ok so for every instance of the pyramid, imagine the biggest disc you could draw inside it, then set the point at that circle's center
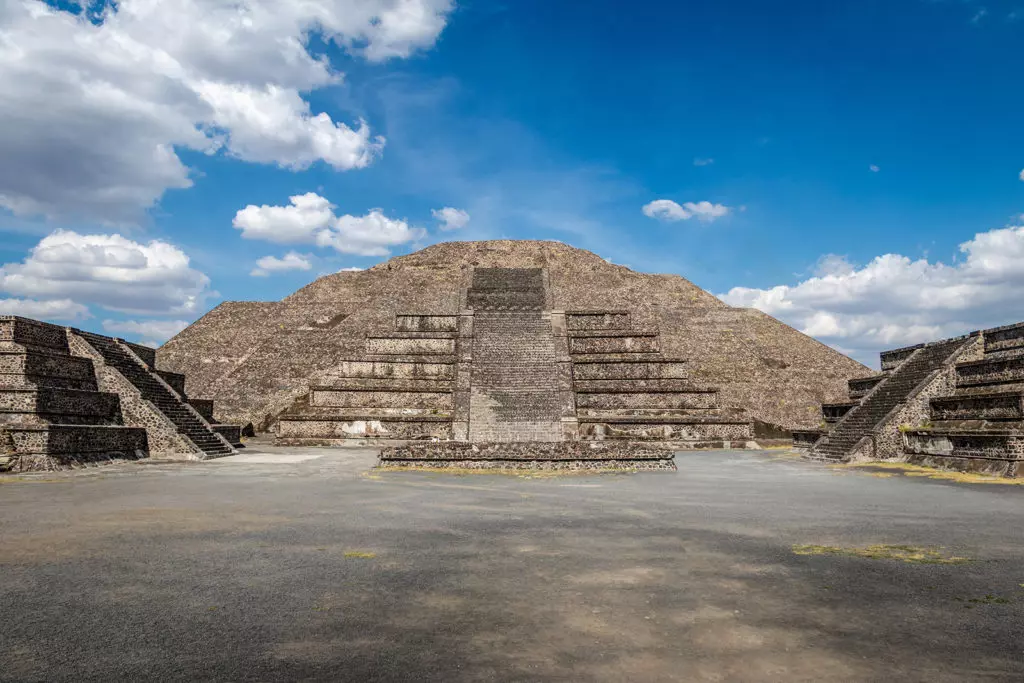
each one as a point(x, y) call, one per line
point(507, 340)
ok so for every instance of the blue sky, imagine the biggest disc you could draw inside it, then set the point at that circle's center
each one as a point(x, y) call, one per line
point(810, 140)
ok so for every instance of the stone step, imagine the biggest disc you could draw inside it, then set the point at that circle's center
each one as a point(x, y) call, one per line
point(380, 398)
point(833, 412)
point(990, 372)
point(630, 370)
point(647, 400)
point(412, 346)
point(609, 343)
point(628, 385)
point(395, 368)
point(316, 430)
point(1007, 405)
point(385, 384)
point(989, 452)
point(52, 404)
point(597, 320)
point(860, 386)
point(412, 322)
point(1003, 341)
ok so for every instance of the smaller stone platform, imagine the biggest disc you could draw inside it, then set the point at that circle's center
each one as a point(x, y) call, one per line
point(560, 455)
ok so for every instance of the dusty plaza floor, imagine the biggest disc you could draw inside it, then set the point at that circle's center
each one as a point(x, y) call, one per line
point(305, 565)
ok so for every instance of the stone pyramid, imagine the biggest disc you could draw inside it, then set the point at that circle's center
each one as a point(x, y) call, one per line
point(507, 341)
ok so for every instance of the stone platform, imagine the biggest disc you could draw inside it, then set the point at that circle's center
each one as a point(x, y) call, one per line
point(563, 455)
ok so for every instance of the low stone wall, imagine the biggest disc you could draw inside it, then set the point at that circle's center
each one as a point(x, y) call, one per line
point(296, 431)
point(572, 455)
point(56, 447)
point(600, 429)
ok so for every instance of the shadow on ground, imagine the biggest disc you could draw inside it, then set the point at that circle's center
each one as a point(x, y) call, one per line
point(284, 565)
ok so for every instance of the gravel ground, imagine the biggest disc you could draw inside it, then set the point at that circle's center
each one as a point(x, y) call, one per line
point(304, 564)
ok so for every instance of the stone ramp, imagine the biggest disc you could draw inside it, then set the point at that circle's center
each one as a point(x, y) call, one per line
point(564, 455)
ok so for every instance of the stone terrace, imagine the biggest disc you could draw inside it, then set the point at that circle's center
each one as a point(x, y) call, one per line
point(956, 403)
point(68, 397)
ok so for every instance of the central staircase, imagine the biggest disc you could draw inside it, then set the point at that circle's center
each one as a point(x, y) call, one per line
point(514, 364)
point(185, 420)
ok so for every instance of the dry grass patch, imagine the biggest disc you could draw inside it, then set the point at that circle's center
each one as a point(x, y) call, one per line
point(904, 553)
point(908, 470)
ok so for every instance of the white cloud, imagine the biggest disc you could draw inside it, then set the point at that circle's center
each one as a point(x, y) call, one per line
point(703, 162)
point(873, 168)
point(668, 210)
point(271, 264)
point(451, 219)
point(310, 219)
point(56, 309)
point(152, 330)
point(110, 271)
point(94, 110)
point(352, 269)
point(895, 301)
point(1021, 176)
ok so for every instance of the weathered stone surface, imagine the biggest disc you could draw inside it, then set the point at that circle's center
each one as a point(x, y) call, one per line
point(63, 405)
point(504, 455)
point(255, 359)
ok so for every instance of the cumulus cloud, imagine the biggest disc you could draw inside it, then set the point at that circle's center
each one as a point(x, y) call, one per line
point(152, 330)
point(110, 271)
point(451, 219)
point(97, 102)
point(874, 168)
point(1021, 176)
point(668, 210)
point(310, 219)
point(56, 309)
point(271, 264)
point(895, 300)
point(703, 162)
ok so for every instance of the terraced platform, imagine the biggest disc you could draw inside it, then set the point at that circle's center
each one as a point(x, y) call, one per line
point(69, 398)
point(956, 404)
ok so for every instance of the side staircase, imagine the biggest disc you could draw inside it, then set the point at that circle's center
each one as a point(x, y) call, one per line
point(907, 370)
point(186, 420)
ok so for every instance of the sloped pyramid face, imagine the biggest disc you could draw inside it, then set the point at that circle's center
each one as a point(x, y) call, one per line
point(621, 336)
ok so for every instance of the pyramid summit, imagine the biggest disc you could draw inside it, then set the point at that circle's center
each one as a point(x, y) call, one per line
point(506, 340)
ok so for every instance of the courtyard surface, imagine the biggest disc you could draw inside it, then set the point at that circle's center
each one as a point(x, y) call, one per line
point(305, 564)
